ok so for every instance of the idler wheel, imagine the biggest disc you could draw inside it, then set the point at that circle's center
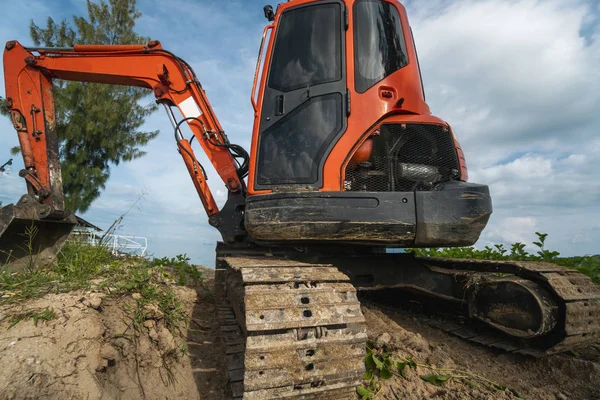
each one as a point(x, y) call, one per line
point(513, 305)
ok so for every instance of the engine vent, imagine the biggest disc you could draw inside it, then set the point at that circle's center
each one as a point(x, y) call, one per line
point(404, 158)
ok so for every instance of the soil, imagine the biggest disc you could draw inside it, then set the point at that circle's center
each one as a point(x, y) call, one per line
point(568, 376)
point(90, 351)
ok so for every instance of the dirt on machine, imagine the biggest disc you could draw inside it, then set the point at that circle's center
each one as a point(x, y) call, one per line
point(345, 162)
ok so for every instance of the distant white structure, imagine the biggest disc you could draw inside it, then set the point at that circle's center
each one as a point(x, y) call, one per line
point(117, 244)
point(120, 245)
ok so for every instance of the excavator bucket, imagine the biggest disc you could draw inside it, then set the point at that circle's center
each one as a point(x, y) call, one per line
point(31, 235)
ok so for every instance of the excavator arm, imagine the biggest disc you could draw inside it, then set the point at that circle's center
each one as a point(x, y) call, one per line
point(29, 73)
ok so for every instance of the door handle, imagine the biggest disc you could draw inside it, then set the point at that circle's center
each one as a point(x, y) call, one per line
point(279, 105)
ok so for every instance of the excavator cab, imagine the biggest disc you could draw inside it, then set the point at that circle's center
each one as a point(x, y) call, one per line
point(344, 146)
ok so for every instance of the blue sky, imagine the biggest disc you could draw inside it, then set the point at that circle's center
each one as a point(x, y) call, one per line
point(518, 81)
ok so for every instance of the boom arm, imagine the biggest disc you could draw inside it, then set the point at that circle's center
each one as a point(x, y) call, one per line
point(28, 76)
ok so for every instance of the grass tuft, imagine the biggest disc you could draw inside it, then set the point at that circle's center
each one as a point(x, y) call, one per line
point(82, 266)
point(47, 314)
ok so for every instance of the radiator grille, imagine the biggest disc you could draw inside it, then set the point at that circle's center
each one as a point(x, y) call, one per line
point(404, 158)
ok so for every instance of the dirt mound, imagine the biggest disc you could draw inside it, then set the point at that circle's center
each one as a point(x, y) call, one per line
point(473, 371)
point(85, 346)
point(82, 345)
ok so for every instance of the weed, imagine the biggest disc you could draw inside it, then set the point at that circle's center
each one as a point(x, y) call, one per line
point(588, 265)
point(156, 298)
point(184, 350)
point(79, 265)
point(381, 365)
point(27, 246)
point(185, 272)
point(45, 315)
point(76, 266)
point(436, 379)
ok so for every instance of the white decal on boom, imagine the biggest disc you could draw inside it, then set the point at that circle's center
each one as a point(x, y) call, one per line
point(189, 108)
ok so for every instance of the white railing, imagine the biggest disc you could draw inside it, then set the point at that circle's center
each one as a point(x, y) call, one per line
point(117, 244)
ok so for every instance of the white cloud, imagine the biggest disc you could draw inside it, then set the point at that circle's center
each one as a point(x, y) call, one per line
point(521, 87)
point(511, 230)
point(527, 168)
point(508, 76)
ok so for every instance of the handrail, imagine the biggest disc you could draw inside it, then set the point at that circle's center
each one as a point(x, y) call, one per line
point(260, 52)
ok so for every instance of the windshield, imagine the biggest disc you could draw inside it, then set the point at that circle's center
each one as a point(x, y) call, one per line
point(307, 48)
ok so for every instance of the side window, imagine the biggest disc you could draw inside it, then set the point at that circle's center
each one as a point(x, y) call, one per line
point(307, 48)
point(379, 45)
point(418, 65)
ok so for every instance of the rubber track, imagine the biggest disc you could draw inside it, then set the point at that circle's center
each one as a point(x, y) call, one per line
point(291, 330)
point(577, 295)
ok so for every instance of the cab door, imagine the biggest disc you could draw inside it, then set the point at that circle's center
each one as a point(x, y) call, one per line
point(304, 108)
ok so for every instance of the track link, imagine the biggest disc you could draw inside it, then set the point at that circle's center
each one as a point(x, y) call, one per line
point(292, 330)
point(577, 296)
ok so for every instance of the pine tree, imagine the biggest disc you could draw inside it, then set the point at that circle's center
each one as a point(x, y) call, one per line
point(97, 125)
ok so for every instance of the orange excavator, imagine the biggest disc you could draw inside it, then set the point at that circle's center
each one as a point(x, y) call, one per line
point(346, 161)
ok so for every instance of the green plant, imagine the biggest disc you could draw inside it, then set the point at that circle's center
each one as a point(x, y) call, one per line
point(181, 267)
point(436, 379)
point(80, 265)
point(76, 266)
point(45, 315)
point(380, 366)
point(154, 295)
point(544, 254)
point(26, 246)
point(588, 265)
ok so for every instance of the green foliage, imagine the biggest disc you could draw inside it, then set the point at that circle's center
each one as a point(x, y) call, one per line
point(379, 366)
point(366, 392)
point(97, 125)
point(589, 265)
point(3, 108)
point(382, 365)
point(45, 315)
point(81, 266)
point(586, 265)
point(77, 265)
point(151, 283)
point(181, 268)
point(436, 379)
point(26, 246)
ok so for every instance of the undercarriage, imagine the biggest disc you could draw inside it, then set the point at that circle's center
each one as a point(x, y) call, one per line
point(294, 329)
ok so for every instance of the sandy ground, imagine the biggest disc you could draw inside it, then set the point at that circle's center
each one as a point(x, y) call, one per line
point(557, 377)
point(89, 351)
